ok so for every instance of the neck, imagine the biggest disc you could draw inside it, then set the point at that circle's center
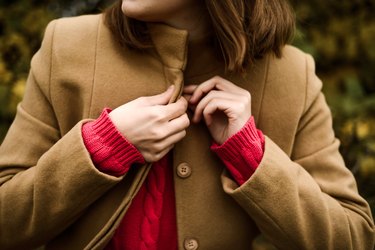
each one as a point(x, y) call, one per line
point(203, 58)
point(195, 21)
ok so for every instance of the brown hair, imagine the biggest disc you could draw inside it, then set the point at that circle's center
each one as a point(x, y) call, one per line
point(245, 29)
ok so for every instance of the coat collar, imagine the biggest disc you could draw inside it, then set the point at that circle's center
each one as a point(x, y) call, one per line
point(115, 64)
point(171, 47)
point(170, 44)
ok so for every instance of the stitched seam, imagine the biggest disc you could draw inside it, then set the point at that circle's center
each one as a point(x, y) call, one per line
point(306, 85)
point(265, 77)
point(94, 69)
point(305, 108)
point(49, 91)
point(51, 63)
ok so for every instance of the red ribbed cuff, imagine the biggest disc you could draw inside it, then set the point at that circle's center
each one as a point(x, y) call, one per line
point(110, 151)
point(242, 152)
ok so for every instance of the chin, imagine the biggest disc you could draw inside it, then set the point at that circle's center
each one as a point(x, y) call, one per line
point(136, 11)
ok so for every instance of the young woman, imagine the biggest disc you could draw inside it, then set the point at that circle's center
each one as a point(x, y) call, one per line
point(177, 124)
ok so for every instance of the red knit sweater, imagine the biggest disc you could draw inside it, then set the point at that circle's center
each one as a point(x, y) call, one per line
point(150, 222)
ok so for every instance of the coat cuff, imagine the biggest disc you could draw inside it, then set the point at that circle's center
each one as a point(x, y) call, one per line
point(242, 152)
point(109, 149)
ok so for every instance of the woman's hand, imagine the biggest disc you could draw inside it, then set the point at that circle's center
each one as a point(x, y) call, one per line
point(225, 107)
point(151, 124)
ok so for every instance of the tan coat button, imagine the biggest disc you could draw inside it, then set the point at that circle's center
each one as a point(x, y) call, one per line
point(183, 170)
point(191, 244)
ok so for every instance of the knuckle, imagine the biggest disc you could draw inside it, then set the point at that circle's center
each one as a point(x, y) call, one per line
point(205, 112)
point(242, 107)
point(245, 98)
point(153, 158)
point(158, 147)
point(184, 103)
point(153, 154)
point(158, 156)
point(247, 95)
point(214, 92)
point(157, 115)
point(186, 120)
point(217, 78)
point(148, 157)
point(181, 109)
point(156, 133)
point(141, 99)
point(153, 133)
point(183, 133)
point(183, 100)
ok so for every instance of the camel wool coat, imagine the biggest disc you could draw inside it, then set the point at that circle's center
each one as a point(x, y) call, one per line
point(301, 196)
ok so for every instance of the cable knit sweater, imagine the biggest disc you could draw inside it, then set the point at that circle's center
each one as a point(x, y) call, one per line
point(301, 196)
point(150, 222)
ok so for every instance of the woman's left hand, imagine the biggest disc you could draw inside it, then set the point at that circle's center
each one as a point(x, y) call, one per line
point(224, 106)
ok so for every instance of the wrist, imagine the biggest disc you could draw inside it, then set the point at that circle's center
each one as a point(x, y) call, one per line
point(242, 152)
point(109, 149)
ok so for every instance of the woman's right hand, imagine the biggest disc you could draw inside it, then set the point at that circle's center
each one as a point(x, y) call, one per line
point(151, 124)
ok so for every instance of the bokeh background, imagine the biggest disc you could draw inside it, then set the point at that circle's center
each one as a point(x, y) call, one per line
point(340, 36)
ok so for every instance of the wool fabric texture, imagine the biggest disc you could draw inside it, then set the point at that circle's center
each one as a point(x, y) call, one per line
point(150, 222)
point(142, 225)
point(302, 196)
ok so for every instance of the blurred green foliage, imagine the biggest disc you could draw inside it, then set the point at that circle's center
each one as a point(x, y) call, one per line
point(340, 36)
point(21, 29)
point(22, 24)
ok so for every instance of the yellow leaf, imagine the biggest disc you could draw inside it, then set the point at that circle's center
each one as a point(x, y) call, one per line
point(19, 88)
point(362, 129)
point(5, 75)
point(367, 165)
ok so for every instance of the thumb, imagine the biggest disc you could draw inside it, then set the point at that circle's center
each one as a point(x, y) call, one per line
point(160, 99)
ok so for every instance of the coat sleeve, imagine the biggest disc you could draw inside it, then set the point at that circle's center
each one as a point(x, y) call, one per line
point(309, 200)
point(46, 181)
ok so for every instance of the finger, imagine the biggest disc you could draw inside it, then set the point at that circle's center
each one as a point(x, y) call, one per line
point(160, 99)
point(169, 141)
point(213, 94)
point(226, 106)
point(164, 152)
point(213, 83)
point(190, 105)
point(178, 124)
point(171, 127)
point(187, 97)
point(173, 139)
point(154, 157)
point(189, 89)
point(174, 110)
